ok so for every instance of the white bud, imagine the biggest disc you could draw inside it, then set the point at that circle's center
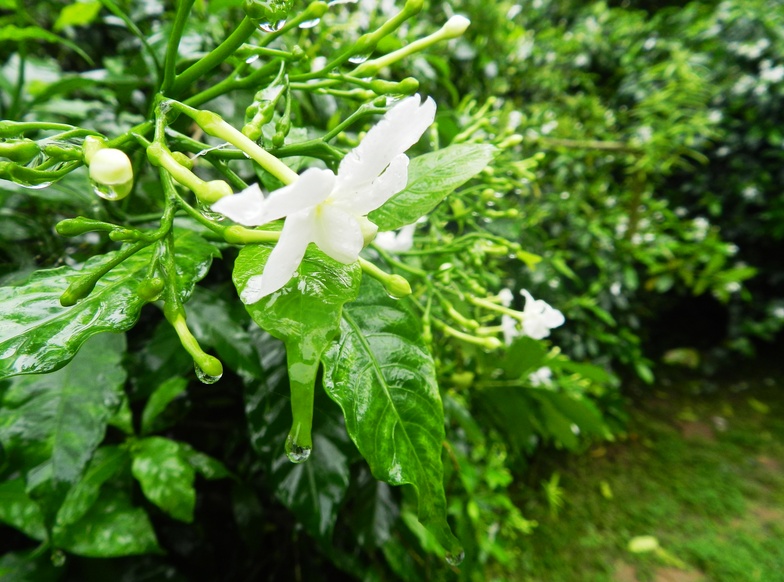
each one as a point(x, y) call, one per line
point(111, 168)
point(455, 26)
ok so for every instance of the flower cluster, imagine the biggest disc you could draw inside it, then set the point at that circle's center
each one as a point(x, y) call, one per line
point(331, 209)
point(538, 317)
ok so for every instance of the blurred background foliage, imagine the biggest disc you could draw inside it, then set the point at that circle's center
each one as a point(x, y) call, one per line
point(647, 176)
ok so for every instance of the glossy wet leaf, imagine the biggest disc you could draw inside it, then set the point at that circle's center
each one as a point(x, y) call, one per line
point(106, 462)
point(305, 314)
point(165, 475)
point(112, 527)
point(52, 423)
point(432, 177)
point(19, 511)
point(160, 399)
point(382, 376)
point(37, 334)
point(218, 325)
point(313, 490)
point(28, 567)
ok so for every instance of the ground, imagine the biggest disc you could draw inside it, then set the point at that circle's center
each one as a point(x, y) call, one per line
point(700, 469)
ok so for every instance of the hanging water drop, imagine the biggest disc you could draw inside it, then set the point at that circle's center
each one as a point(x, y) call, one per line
point(58, 558)
point(272, 26)
point(252, 59)
point(358, 59)
point(204, 377)
point(455, 558)
point(297, 453)
point(210, 214)
point(106, 191)
point(310, 23)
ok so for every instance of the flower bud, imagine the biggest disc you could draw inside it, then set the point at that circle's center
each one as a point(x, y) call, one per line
point(397, 286)
point(111, 170)
point(183, 160)
point(455, 26)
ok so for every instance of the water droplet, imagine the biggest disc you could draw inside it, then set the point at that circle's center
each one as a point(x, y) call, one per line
point(58, 558)
point(392, 296)
point(203, 376)
point(309, 23)
point(358, 59)
point(296, 453)
point(456, 558)
point(206, 212)
point(108, 192)
point(252, 59)
point(272, 27)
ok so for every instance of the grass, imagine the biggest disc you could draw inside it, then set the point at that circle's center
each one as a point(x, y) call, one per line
point(701, 472)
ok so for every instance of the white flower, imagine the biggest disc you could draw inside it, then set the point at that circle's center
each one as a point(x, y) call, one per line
point(328, 209)
point(510, 328)
point(396, 242)
point(538, 317)
point(541, 377)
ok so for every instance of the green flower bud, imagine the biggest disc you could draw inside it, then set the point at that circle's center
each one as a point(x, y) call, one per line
point(150, 289)
point(397, 286)
point(22, 150)
point(81, 225)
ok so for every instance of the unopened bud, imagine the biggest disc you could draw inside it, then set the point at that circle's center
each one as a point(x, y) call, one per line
point(110, 167)
point(455, 26)
point(397, 286)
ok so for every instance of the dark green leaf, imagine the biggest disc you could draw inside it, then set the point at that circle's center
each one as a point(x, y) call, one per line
point(205, 465)
point(305, 314)
point(160, 399)
point(524, 354)
point(111, 528)
point(382, 376)
point(28, 567)
point(213, 321)
point(106, 462)
point(431, 178)
point(37, 334)
point(52, 423)
point(312, 490)
point(579, 410)
point(165, 475)
point(19, 511)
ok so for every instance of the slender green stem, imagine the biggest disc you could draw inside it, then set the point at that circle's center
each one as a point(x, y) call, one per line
point(15, 128)
point(219, 54)
point(172, 50)
point(364, 110)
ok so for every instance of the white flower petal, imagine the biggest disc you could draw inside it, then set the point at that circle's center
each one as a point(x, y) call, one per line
point(284, 259)
point(312, 188)
point(400, 128)
point(243, 208)
point(392, 181)
point(396, 242)
point(506, 297)
point(338, 234)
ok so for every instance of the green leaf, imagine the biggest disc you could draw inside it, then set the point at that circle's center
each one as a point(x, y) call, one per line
point(19, 511)
point(28, 567)
point(313, 490)
point(382, 376)
point(431, 178)
point(305, 314)
point(19, 34)
point(111, 528)
point(52, 423)
point(524, 354)
point(216, 324)
point(160, 399)
point(106, 462)
point(509, 408)
point(165, 475)
point(77, 14)
point(37, 334)
point(206, 466)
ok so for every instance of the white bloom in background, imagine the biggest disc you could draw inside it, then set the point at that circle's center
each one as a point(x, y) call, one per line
point(506, 296)
point(541, 377)
point(538, 317)
point(331, 209)
point(396, 241)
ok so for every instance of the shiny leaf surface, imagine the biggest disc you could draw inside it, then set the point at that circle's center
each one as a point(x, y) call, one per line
point(52, 423)
point(312, 490)
point(383, 377)
point(432, 177)
point(37, 334)
point(165, 475)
